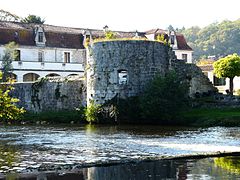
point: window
(219, 81)
(40, 36)
(184, 57)
(30, 77)
(17, 55)
(122, 77)
(67, 57)
(40, 56)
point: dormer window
(40, 37)
(172, 38)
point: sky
(126, 15)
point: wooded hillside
(219, 39)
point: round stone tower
(123, 68)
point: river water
(79, 151)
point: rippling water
(26, 149)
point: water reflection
(231, 164)
(44, 148)
(162, 169)
(8, 157)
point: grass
(124, 39)
(50, 117)
(212, 117)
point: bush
(159, 104)
(92, 112)
(164, 98)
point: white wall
(30, 54)
(236, 82)
(179, 53)
(53, 61)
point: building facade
(182, 50)
(46, 50)
(43, 50)
(222, 84)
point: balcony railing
(46, 66)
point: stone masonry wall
(50, 95)
(142, 60)
(198, 82)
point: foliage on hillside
(218, 39)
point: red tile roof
(156, 31)
(24, 34)
(66, 37)
(182, 44)
(208, 67)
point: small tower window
(122, 77)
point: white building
(222, 84)
(43, 50)
(182, 50)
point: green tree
(33, 19)
(227, 67)
(9, 55)
(8, 109)
(161, 38)
(163, 98)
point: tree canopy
(228, 67)
(219, 39)
(8, 110)
(33, 19)
(9, 55)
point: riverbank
(208, 117)
(196, 117)
(53, 117)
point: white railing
(23, 65)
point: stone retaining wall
(48, 95)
